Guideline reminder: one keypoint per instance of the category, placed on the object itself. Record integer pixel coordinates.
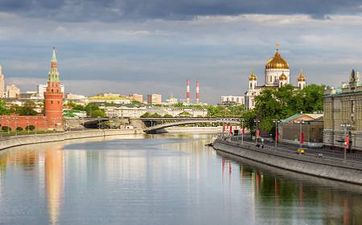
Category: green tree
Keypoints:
(27, 109)
(3, 109)
(286, 101)
(93, 110)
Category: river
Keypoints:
(160, 179)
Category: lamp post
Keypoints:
(242, 130)
(276, 132)
(345, 126)
(256, 130)
(301, 122)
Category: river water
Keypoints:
(161, 179)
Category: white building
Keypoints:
(12, 91)
(231, 99)
(277, 74)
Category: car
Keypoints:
(300, 150)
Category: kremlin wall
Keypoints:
(53, 106)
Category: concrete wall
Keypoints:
(54, 137)
(311, 165)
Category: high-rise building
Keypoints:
(154, 99)
(12, 91)
(54, 96)
(136, 97)
(2, 83)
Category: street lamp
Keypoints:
(276, 132)
(301, 135)
(256, 130)
(242, 130)
(346, 126)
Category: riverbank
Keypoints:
(350, 172)
(13, 141)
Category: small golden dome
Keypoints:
(277, 62)
(252, 76)
(301, 77)
(283, 77)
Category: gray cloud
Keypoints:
(114, 10)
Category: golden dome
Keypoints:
(283, 77)
(252, 76)
(301, 77)
(277, 62)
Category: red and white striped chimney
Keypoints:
(197, 92)
(188, 94)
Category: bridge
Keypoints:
(171, 122)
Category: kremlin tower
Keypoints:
(54, 97)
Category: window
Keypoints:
(51, 102)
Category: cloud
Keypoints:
(115, 10)
(158, 55)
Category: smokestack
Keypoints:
(188, 95)
(197, 92)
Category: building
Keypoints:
(231, 100)
(41, 88)
(28, 95)
(310, 124)
(53, 108)
(171, 101)
(136, 97)
(276, 75)
(154, 99)
(343, 114)
(53, 104)
(75, 97)
(2, 83)
(12, 91)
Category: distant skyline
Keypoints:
(155, 46)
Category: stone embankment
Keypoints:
(14, 141)
(329, 168)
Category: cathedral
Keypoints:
(277, 74)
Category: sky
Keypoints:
(154, 46)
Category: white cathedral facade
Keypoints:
(277, 74)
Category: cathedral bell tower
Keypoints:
(54, 97)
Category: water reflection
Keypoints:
(160, 180)
(54, 166)
(277, 198)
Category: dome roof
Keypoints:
(301, 77)
(283, 77)
(277, 62)
(252, 76)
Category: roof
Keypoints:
(304, 116)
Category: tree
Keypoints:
(3, 109)
(26, 110)
(286, 101)
(93, 110)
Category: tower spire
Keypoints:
(53, 75)
(54, 56)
